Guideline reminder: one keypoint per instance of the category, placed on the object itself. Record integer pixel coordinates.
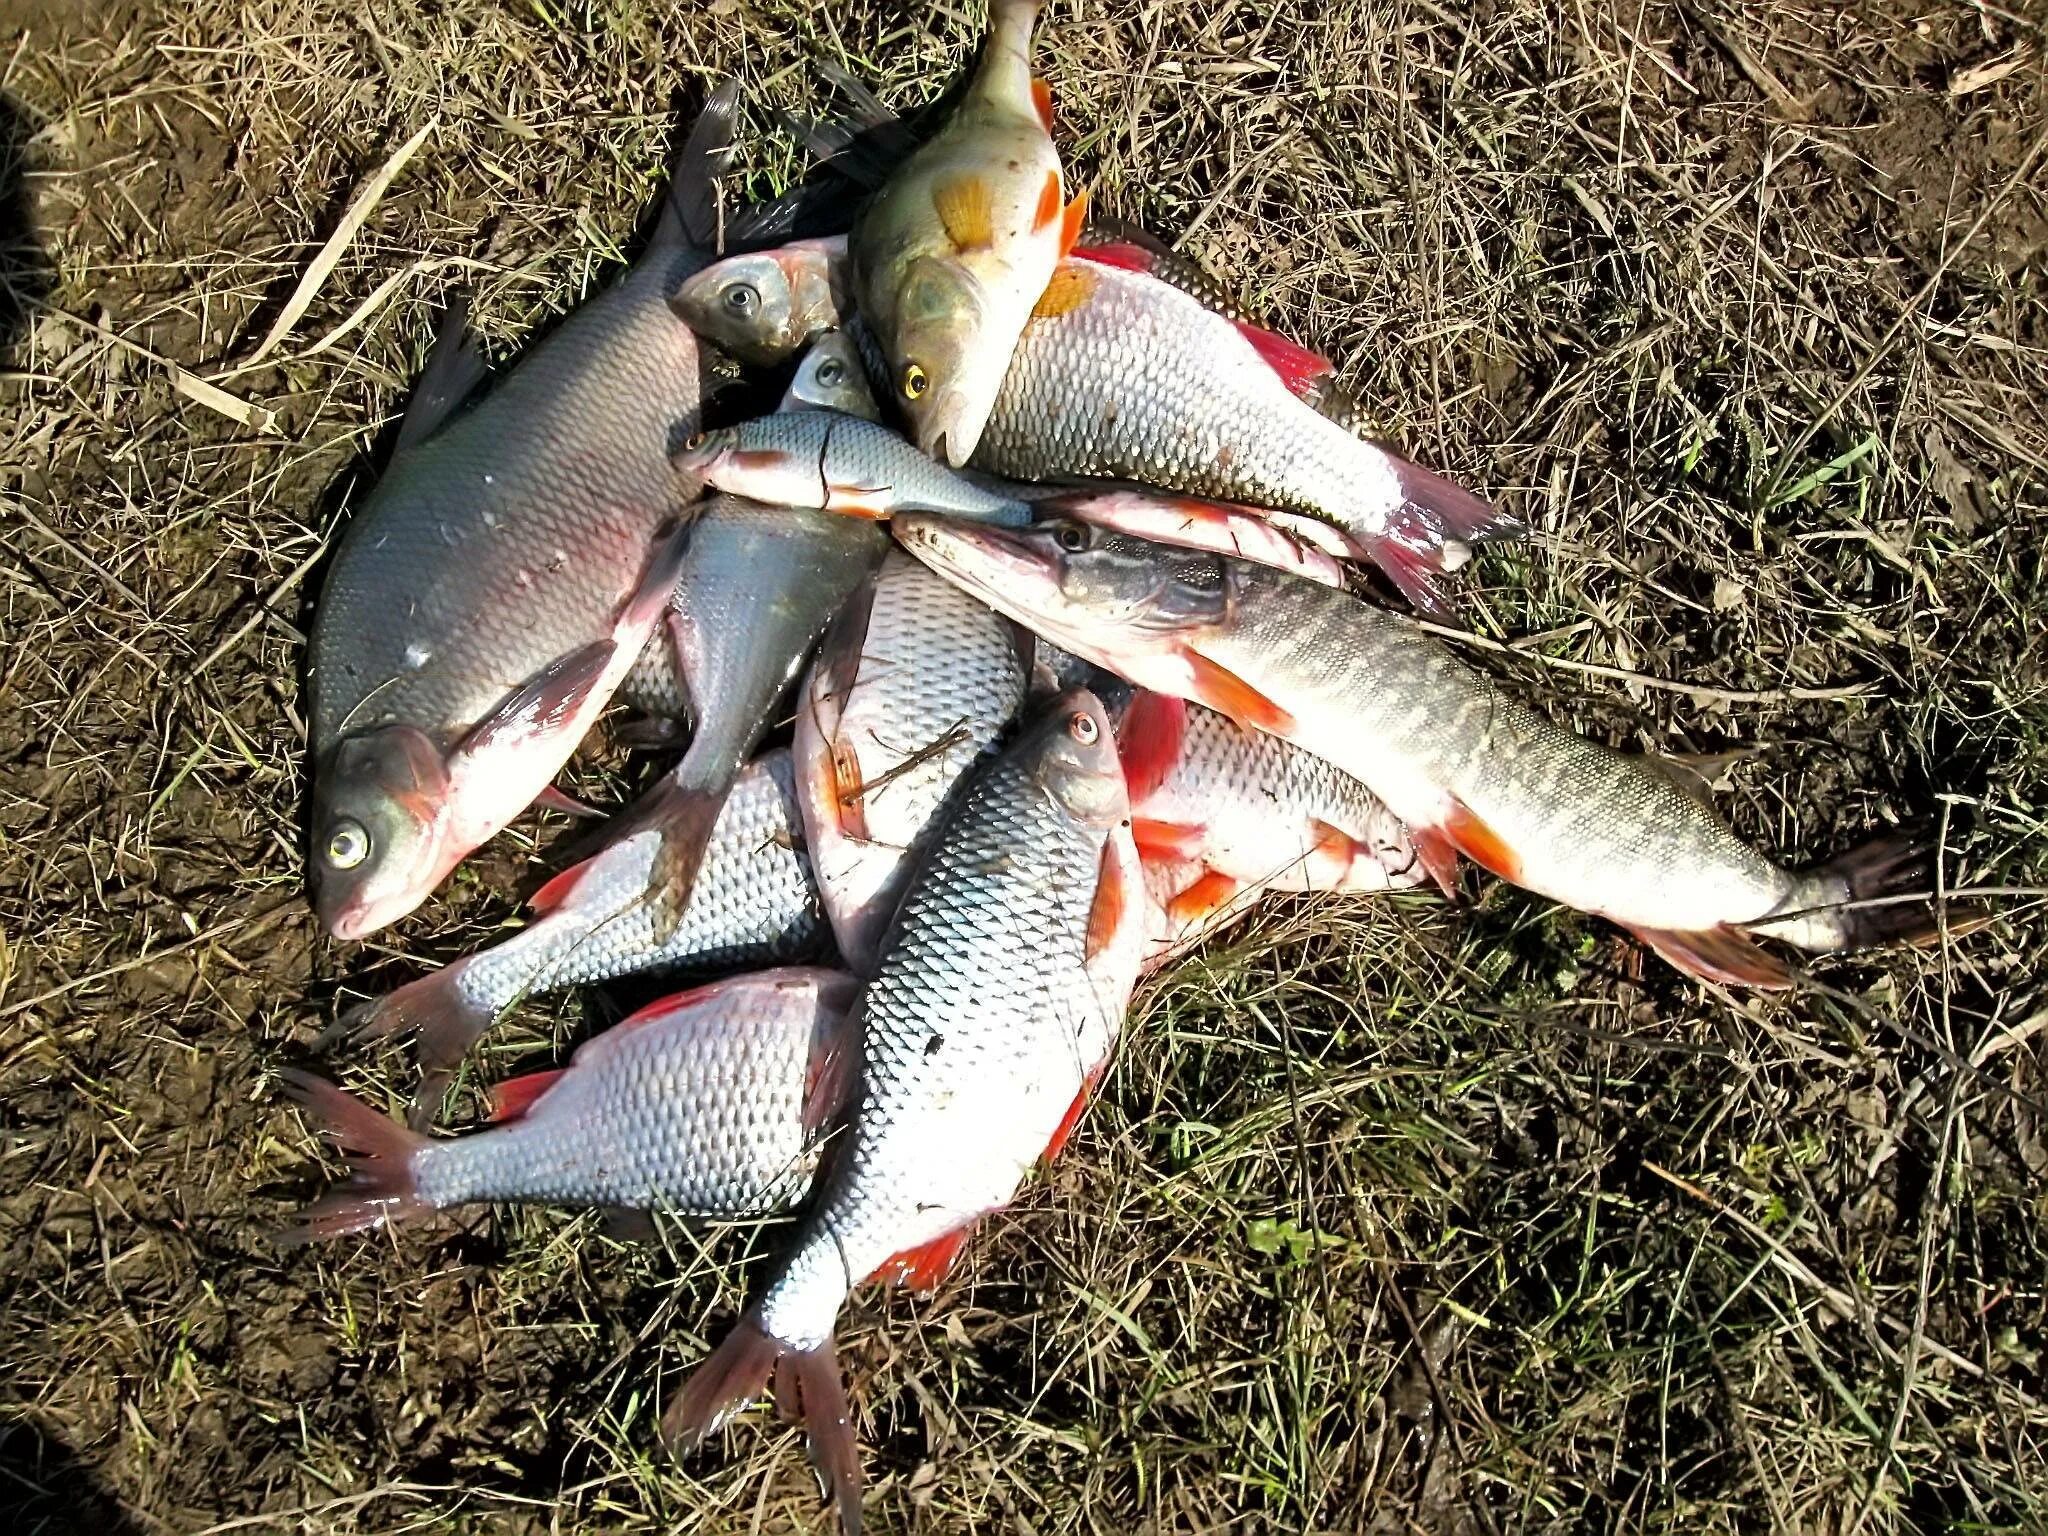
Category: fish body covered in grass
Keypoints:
(954, 249)
(712, 1102)
(1239, 813)
(754, 903)
(981, 1032)
(490, 594)
(1468, 769)
(913, 686)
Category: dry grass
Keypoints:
(1394, 1217)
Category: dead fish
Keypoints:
(952, 252)
(830, 378)
(915, 683)
(981, 1033)
(1467, 768)
(490, 594)
(711, 1102)
(754, 904)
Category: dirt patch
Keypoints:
(1393, 1216)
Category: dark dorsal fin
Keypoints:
(454, 368)
(689, 215)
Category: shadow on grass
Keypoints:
(46, 1491)
(25, 275)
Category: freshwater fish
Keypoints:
(754, 904)
(981, 1033)
(1468, 769)
(490, 594)
(950, 255)
(909, 690)
(712, 1102)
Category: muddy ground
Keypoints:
(1392, 1217)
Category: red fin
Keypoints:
(511, 1099)
(849, 792)
(1228, 694)
(830, 1076)
(553, 799)
(1480, 843)
(1072, 286)
(556, 891)
(1064, 1131)
(1176, 841)
(923, 1268)
(1117, 253)
(1725, 955)
(381, 1187)
(1048, 202)
(433, 1008)
(1300, 369)
(1074, 222)
(1148, 739)
(1439, 857)
(542, 705)
(1041, 102)
(1202, 900)
(964, 209)
(1106, 916)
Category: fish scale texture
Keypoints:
(978, 1032)
(515, 533)
(1593, 828)
(697, 1112)
(1141, 382)
(753, 903)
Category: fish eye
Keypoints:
(831, 372)
(1071, 537)
(915, 382)
(742, 298)
(696, 440)
(1082, 727)
(347, 845)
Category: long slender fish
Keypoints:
(1468, 768)
(711, 1102)
(980, 1034)
(489, 595)
(909, 690)
(754, 904)
(949, 256)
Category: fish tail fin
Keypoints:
(381, 1187)
(687, 814)
(1432, 533)
(808, 1384)
(1004, 78)
(689, 214)
(445, 1020)
(1878, 893)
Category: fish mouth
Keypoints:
(973, 555)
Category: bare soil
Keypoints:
(1393, 1216)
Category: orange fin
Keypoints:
(965, 210)
(1171, 840)
(556, 891)
(849, 792)
(1726, 955)
(1202, 900)
(923, 1268)
(1075, 221)
(1072, 286)
(1228, 694)
(1148, 739)
(829, 1077)
(511, 1099)
(1048, 203)
(1439, 857)
(1106, 916)
(1041, 102)
(1064, 1131)
(1480, 843)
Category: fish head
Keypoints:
(1074, 758)
(830, 378)
(944, 371)
(380, 818)
(1110, 597)
(754, 306)
(757, 460)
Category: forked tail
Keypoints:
(381, 1186)
(1432, 533)
(446, 1019)
(1879, 893)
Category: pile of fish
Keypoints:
(1067, 565)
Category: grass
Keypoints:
(1393, 1217)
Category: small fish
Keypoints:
(981, 1033)
(950, 255)
(911, 688)
(711, 1102)
(1467, 768)
(830, 379)
(754, 904)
